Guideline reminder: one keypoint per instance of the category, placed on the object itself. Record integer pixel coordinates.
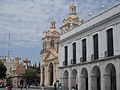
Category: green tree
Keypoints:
(9, 82)
(30, 76)
(3, 70)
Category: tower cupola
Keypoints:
(53, 24)
(72, 10)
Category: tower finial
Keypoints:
(73, 2)
(53, 19)
(53, 23)
(73, 9)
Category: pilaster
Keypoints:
(69, 80)
(107, 82)
(41, 81)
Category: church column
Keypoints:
(54, 72)
(46, 76)
(41, 77)
(57, 75)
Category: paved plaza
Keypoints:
(38, 88)
(22, 89)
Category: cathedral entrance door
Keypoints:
(51, 74)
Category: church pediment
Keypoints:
(51, 55)
(44, 55)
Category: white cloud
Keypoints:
(27, 19)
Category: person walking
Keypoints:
(55, 88)
(43, 88)
(73, 88)
(76, 87)
(21, 87)
(59, 86)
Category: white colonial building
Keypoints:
(90, 53)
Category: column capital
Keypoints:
(93, 76)
(106, 74)
(82, 76)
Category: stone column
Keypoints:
(57, 75)
(41, 77)
(107, 82)
(46, 76)
(93, 83)
(102, 81)
(89, 79)
(118, 75)
(69, 81)
(54, 72)
(78, 79)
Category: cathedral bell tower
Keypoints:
(72, 20)
(51, 37)
(49, 55)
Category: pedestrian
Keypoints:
(55, 88)
(59, 86)
(43, 88)
(10, 87)
(76, 87)
(73, 88)
(21, 87)
(26, 86)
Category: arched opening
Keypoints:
(110, 77)
(74, 79)
(65, 80)
(43, 76)
(21, 82)
(51, 74)
(84, 79)
(96, 78)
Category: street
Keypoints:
(38, 88)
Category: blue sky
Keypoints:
(27, 19)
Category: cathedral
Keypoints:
(49, 56)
